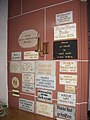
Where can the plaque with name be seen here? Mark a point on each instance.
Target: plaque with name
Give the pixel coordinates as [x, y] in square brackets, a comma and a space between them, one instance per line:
[65, 112]
[65, 49]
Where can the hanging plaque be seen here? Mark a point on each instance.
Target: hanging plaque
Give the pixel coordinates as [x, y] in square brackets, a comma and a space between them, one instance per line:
[28, 38]
[65, 49]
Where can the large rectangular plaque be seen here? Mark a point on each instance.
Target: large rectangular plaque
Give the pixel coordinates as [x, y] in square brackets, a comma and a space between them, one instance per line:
[45, 82]
[45, 68]
[65, 32]
[65, 49]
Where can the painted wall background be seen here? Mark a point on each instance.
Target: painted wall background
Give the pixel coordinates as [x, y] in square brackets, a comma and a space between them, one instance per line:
[3, 49]
[88, 15]
[89, 51]
[40, 15]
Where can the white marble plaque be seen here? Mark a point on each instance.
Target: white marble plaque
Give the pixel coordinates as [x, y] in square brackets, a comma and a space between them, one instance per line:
[28, 38]
[68, 79]
[65, 17]
[28, 88]
[46, 68]
[31, 55]
[27, 105]
[28, 77]
[28, 66]
[16, 56]
[15, 67]
[44, 95]
[67, 31]
[68, 66]
[46, 82]
[66, 99]
[44, 109]
[64, 112]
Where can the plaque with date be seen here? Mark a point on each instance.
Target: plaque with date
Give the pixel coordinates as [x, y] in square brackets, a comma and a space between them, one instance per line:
[65, 49]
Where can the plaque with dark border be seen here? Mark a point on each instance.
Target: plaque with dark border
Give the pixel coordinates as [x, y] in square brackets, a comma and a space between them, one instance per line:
[66, 49]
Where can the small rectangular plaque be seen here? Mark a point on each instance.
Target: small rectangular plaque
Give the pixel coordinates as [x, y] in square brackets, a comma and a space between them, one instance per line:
[65, 112]
[65, 49]
[28, 88]
[29, 55]
[66, 99]
[16, 56]
[68, 66]
[67, 79]
[65, 17]
[26, 105]
[45, 95]
[69, 89]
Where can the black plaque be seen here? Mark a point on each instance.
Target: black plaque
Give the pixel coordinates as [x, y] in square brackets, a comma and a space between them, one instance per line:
[65, 49]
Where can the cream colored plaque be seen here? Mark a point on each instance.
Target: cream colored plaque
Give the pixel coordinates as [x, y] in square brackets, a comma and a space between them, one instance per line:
[67, 31]
[28, 38]
[44, 109]
[68, 66]
[69, 89]
[26, 105]
[16, 56]
[28, 66]
[68, 79]
[28, 77]
[15, 67]
[29, 55]
[66, 99]
[15, 82]
[65, 17]
[46, 68]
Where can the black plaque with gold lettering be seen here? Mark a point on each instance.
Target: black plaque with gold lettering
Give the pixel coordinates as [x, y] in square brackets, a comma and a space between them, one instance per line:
[66, 49]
